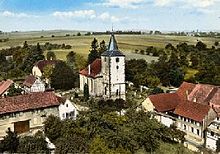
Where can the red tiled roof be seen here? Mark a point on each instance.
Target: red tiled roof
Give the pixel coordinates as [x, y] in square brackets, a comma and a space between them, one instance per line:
[203, 94]
[184, 89]
[95, 69]
[200, 93]
[28, 102]
[29, 81]
[165, 102]
[192, 110]
[4, 85]
[42, 63]
[214, 97]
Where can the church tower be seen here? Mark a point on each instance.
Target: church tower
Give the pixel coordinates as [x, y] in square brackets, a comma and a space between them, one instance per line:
[113, 71]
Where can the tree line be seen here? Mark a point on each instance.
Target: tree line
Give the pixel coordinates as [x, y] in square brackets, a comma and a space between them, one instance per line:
[173, 64]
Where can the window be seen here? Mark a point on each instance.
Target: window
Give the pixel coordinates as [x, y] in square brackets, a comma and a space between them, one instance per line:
[192, 129]
[117, 67]
[105, 90]
[117, 60]
[217, 127]
[212, 133]
[184, 127]
[66, 105]
[117, 92]
[105, 59]
[72, 114]
[197, 131]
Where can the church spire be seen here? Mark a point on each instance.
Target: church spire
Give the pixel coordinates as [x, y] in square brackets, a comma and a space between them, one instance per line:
[112, 48]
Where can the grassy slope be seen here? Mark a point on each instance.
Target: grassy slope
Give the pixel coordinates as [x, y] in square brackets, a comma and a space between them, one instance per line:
[81, 44]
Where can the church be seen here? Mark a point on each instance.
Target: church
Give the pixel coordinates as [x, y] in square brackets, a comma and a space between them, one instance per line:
[105, 77]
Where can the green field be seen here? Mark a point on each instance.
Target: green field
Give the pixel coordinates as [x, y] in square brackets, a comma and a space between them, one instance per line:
[81, 44]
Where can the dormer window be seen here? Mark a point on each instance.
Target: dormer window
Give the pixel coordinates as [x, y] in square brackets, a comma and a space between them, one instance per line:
[117, 60]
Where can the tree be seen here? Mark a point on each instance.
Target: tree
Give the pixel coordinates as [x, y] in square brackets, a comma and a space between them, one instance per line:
[10, 142]
[34, 55]
[32, 144]
[63, 76]
[102, 48]
[14, 91]
[86, 92]
[51, 55]
[93, 52]
[48, 71]
[201, 46]
[81, 62]
[52, 128]
[78, 34]
[156, 90]
[216, 43]
[71, 59]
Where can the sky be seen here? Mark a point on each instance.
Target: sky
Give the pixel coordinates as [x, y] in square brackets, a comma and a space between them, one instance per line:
[100, 15]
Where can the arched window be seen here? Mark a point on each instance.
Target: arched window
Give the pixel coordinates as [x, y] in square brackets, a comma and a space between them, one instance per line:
[117, 67]
[117, 60]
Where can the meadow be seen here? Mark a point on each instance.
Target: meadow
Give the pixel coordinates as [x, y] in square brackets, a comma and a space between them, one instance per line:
[81, 44]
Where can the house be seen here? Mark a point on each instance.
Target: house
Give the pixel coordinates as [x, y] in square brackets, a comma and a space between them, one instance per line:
[38, 68]
[4, 87]
[192, 109]
[67, 110]
[105, 77]
[26, 113]
[213, 130]
[33, 84]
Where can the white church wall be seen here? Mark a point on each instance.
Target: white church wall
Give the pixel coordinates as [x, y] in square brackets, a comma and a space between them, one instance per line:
[118, 75]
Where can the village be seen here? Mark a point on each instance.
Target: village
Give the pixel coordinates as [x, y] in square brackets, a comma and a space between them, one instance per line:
[192, 108]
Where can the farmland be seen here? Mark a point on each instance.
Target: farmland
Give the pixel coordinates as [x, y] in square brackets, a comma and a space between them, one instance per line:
[81, 44]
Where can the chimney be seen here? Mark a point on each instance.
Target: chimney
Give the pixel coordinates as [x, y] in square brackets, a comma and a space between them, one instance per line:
[89, 69]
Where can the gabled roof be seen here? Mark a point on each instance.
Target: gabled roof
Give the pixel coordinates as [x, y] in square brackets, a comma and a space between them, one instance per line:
[4, 85]
[194, 106]
[29, 81]
[42, 63]
[215, 97]
[112, 48]
[30, 101]
[192, 110]
[165, 102]
[200, 93]
[184, 89]
[95, 69]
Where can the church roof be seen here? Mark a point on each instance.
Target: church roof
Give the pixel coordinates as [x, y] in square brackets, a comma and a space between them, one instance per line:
[95, 69]
[112, 48]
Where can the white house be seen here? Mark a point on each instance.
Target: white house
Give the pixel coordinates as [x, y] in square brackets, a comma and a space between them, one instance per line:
[105, 77]
[33, 84]
[67, 110]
